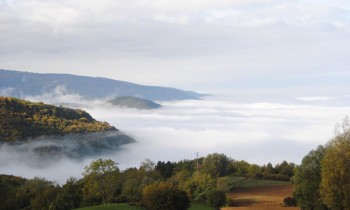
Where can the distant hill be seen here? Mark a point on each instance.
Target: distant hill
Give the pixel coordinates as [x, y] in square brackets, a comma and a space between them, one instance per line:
[22, 119]
[37, 128]
[21, 84]
[134, 102]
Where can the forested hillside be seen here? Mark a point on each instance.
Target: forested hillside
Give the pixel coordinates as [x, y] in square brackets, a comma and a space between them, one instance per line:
[22, 119]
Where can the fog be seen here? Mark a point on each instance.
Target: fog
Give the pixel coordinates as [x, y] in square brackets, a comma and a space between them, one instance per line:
[258, 131]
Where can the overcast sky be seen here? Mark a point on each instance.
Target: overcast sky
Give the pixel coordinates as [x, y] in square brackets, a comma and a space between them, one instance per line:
[189, 44]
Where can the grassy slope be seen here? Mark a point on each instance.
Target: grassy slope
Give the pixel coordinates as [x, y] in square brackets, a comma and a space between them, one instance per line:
[123, 206]
[242, 182]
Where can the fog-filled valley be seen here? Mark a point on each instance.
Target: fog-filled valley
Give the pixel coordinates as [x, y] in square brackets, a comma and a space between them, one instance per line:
[259, 131]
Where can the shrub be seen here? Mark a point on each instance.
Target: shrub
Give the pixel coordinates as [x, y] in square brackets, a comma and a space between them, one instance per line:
[216, 198]
[164, 195]
[288, 201]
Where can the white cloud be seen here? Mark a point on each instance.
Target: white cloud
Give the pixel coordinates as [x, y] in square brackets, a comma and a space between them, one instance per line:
[182, 19]
[181, 129]
[315, 98]
[186, 44]
[256, 130]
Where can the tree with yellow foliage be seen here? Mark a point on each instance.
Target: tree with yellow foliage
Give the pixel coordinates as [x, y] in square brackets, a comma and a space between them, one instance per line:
[335, 173]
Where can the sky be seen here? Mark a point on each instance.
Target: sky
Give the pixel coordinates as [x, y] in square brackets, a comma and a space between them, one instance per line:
[198, 45]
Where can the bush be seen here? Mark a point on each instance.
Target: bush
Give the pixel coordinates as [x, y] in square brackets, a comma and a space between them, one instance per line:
[288, 201]
[216, 198]
[164, 195]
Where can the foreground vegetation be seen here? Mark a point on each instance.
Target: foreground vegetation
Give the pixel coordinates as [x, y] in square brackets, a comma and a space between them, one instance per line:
[205, 181]
[22, 119]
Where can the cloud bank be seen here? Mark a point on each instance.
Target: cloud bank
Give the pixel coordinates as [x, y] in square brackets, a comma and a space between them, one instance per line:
[189, 44]
[258, 131]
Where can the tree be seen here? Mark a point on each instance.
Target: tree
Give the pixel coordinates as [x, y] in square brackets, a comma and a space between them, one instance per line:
[199, 185]
[253, 170]
[132, 185]
[285, 169]
[165, 169]
[269, 169]
[240, 167]
[307, 181]
[216, 165]
[164, 195]
[45, 199]
[71, 193]
[9, 187]
[335, 172]
[100, 179]
[216, 199]
[147, 165]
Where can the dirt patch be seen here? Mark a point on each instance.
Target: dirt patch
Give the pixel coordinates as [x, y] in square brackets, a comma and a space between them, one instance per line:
[261, 198]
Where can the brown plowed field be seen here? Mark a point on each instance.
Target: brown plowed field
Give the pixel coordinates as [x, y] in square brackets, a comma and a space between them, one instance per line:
[261, 198]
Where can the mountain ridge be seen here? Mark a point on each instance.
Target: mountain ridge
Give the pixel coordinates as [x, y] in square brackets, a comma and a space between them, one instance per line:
[21, 84]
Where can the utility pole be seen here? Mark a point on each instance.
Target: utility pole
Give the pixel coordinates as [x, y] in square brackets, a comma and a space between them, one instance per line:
[197, 163]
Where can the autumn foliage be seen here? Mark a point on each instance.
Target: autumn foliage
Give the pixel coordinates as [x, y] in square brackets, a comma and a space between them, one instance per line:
[22, 119]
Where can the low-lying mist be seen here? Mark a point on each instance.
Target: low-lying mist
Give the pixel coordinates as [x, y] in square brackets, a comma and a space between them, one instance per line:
[255, 131]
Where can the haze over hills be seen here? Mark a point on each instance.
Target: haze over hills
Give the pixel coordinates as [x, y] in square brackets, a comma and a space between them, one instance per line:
[21, 84]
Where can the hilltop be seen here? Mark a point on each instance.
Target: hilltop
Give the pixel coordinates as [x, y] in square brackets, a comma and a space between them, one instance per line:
[22, 119]
[134, 102]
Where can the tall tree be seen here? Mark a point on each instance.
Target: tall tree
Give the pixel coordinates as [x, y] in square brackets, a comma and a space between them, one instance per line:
[165, 169]
[335, 184]
[71, 193]
[307, 181]
[132, 184]
[100, 179]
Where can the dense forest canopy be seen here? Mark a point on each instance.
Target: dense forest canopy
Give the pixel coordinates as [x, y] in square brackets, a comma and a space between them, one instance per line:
[22, 119]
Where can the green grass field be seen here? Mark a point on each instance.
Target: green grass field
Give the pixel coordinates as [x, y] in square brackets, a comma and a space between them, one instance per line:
[123, 206]
[243, 182]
